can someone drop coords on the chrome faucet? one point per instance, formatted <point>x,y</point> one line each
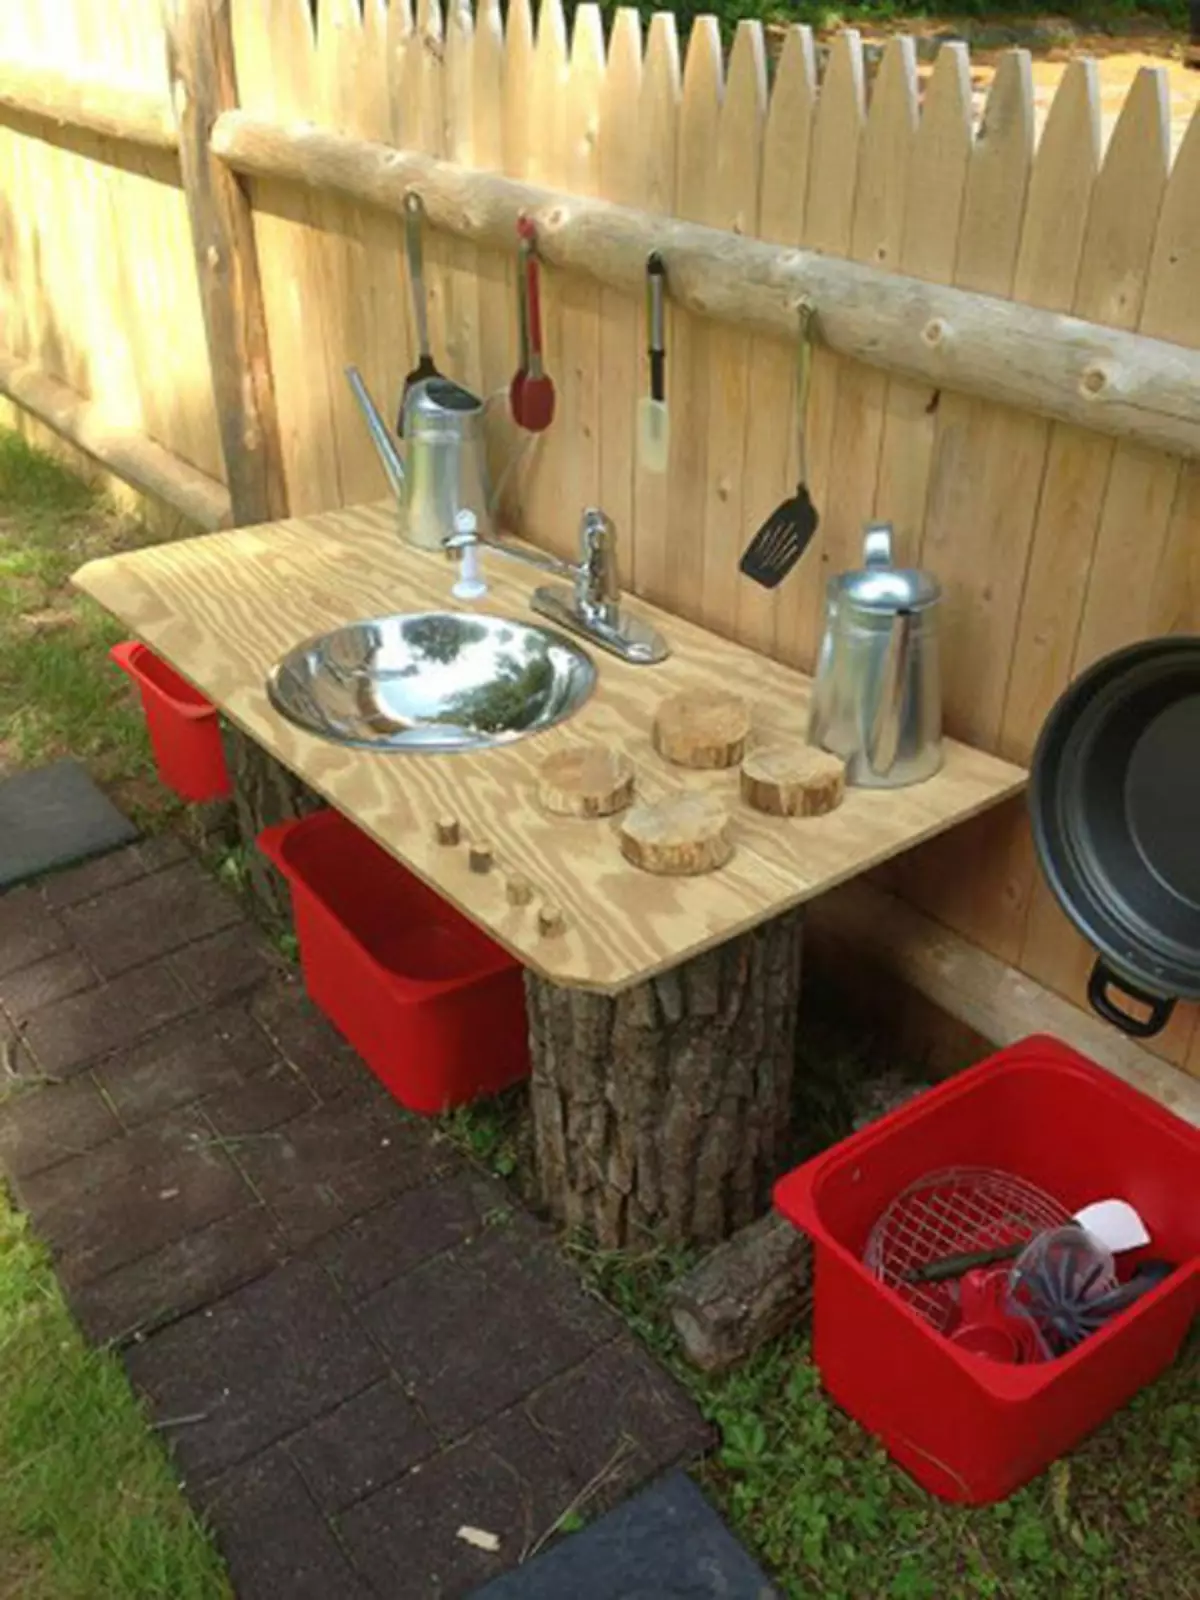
<point>592,606</point>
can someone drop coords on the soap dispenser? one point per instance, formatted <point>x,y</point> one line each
<point>470,584</point>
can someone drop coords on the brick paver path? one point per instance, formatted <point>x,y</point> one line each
<point>355,1342</point>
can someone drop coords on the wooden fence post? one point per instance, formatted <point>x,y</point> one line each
<point>203,84</point>
<point>200,59</point>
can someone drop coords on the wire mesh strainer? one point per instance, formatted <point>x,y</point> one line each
<point>947,1213</point>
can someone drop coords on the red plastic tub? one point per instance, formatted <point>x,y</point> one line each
<point>433,1006</point>
<point>184,732</point>
<point>966,1427</point>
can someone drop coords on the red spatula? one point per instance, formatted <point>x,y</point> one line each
<point>517,387</point>
<point>533,405</point>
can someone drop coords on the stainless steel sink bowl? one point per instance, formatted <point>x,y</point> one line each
<point>431,682</point>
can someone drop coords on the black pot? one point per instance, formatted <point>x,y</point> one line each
<point>1114,798</point>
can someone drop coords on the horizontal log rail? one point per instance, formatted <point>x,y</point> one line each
<point>76,100</point>
<point>859,925</point>
<point>1096,377</point>
<point>122,451</point>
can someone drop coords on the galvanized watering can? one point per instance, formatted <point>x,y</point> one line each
<point>877,694</point>
<point>444,467</point>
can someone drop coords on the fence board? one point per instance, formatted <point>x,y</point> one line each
<point>699,118</point>
<point>876,237</point>
<point>548,163</point>
<point>940,160</point>
<point>274,49</point>
<point>771,417</point>
<point>658,128</point>
<point>828,227</point>
<point>734,183</point>
<point>977,530</point>
<point>619,315</point>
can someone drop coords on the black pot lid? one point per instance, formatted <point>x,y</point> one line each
<point>1114,799</point>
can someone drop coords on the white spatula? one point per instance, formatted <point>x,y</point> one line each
<point>654,436</point>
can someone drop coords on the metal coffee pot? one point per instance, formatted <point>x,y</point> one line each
<point>877,693</point>
<point>444,467</point>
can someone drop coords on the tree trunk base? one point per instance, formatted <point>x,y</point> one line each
<point>665,1110</point>
<point>264,793</point>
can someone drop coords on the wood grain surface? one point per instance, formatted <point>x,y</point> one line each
<point>222,610</point>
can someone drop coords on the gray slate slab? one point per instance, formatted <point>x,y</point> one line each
<point>52,817</point>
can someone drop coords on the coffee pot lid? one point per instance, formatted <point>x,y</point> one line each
<point>879,586</point>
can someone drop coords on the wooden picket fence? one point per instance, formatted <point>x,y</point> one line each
<point>1054,544</point>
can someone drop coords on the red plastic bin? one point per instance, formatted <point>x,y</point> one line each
<point>434,1007</point>
<point>966,1427</point>
<point>184,732</point>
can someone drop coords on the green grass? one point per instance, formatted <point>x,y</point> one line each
<point>89,1507</point>
<point>59,695</point>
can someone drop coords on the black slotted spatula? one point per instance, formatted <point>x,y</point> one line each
<point>785,535</point>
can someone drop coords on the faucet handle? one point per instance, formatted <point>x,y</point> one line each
<point>600,580</point>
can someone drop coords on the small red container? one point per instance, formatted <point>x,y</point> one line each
<point>184,732</point>
<point>433,1006</point>
<point>966,1427</point>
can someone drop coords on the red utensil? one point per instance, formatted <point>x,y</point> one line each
<point>516,388</point>
<point>532,400</point>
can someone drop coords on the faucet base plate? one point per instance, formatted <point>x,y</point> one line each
<point>629,637</point>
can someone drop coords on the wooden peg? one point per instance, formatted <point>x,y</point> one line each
<point>702,728</point>
<point>793,780</point>
<point>587,780</point>
<point>550,921</point>
<point>447,830</point>
<point>479,856</point>
<point>518,891</point>
<point>684,834</point>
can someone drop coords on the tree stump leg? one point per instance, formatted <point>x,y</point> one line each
<point>264,792</point>
<point>667,1108</point>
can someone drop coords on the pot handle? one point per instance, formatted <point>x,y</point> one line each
<point>1103,979</point>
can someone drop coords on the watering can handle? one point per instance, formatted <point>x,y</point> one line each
<point>877,544</point>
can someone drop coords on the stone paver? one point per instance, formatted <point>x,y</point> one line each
<point>132,1196</point>
<point>66,1037</point>
<point>57,977</point>
<point>369,1441</point>
<point>29,931</point>
<point>151,915</point>
<point>205,1053</point>
<point>255,1367</point>
<point>276,1542</point>
<point>181,1276</point>
<point>504,1479</point>
<point>353,1341</point>
<point>423,1322</point>
<point>39,1128</point>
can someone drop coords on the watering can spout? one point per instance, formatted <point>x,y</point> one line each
<point>380,436</point>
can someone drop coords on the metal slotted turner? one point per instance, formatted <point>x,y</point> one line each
<point>785,535</point>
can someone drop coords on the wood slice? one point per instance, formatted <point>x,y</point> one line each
<point>702,728</point>
<point>682,835</point>
<point>588,780</point>
<point>793,780</point>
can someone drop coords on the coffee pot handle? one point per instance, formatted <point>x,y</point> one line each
<point>883,736</point>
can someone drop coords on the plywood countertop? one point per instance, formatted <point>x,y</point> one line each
<point>222,609</point>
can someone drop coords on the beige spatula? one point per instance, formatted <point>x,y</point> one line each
<point>654,434</point>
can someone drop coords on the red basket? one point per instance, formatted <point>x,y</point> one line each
<point>184,732</point>
<point>433,1006</point>
<point>966,1427</point>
